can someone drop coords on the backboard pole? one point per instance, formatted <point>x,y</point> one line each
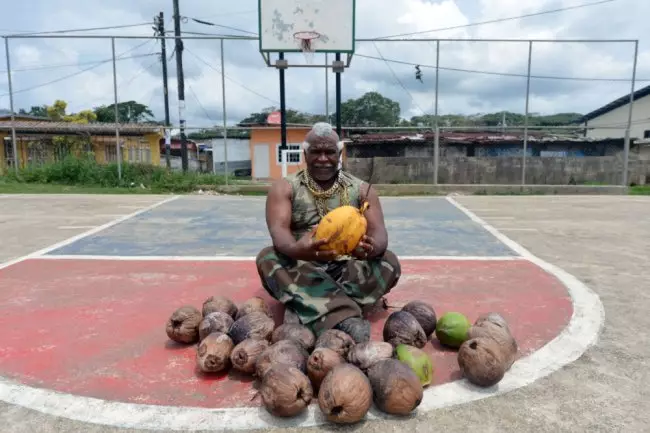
<point>338,98</point>
<point>283,110</point>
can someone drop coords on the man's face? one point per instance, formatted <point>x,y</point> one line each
<point>322,158</point>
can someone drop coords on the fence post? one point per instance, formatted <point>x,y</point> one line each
<point>117,119</point>
<point>225,130</point>
<point>626,146</point>
<point>436,140</point>
<point>523,163</point>
<point>14,142</point>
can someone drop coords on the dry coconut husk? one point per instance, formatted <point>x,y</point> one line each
<point>320,362</point>
<point>254,304</point>
<point>219,303</point>
<point>295,332</point>
<point>364,355</point>
<point>481,361</point>
<point>286,391</point>
<point>213,353</point>
<point>494,318</point>
<point>214,322</point>
<point>336,340</point>
<point>285,352</point>
<point>396,388</point>
<point>401,327</point>
<point>254,325</point>
<point>424,314</point>
<point>345,395</point>
<point>245,354</point>
<point>183,325</point>
<point>503,337</point>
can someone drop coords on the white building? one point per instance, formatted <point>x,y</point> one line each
<point>614,117</point>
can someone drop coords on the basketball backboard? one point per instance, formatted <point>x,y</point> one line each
<point>307,26</point>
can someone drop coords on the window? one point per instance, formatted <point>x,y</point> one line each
<point>294,154</point>
<point>646,133</point>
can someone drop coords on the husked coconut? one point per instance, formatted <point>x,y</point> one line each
<point>424,314</point>
<point>285,352</point>
<point>396,388</point>
<point>213,353</point>
<point>296,332</point>
<point>345,395</point>
<point>254,325</point>
<point>364,355</point>
<point>219,303</point>
<point>183,325</point>
<point>254,304</point>
<point>320,362</point>
<point>481,361</point>
<point>356,327</point>
<point>286,391</point>
<point>214,322</point>
<point>492,317</point>
<point>401,327</point>
<point>501,335</point>
<point>245,354</point>
<point>336,340</point>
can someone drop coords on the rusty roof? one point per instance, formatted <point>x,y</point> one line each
<point>81,128</point>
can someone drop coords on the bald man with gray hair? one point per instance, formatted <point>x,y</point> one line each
<point>319,288</point>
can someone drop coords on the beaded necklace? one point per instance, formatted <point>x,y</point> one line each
<point>321,197</point>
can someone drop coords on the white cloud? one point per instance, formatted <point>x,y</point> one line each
<point>468,92</point>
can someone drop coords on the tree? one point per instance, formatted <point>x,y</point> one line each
<point>371,109</point>
<point>128,112</point>
<point>35,110</point>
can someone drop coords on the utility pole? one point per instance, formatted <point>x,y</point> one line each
<point>181,84</point>
<point>160,31</point>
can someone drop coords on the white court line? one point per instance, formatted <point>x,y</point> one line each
<point>86,233</point>
<point>251,258</point>
<point>581,333</point>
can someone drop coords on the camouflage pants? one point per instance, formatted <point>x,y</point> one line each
<point>324,294</point>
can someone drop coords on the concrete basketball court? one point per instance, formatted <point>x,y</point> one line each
<point>92,263</point>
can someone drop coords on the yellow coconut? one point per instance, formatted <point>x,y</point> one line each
<point>344,227</point>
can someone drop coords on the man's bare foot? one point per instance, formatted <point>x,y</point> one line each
<point>290,316</point>
<point>356,327</point>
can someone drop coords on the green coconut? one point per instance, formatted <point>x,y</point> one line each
<point>418,360</point>
<point>452,329</point>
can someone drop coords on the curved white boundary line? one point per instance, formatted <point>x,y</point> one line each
<point>581,333</point>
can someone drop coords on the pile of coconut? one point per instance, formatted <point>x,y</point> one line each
<point>345,376</point>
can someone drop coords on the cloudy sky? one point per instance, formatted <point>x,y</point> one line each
<point>79,71</point>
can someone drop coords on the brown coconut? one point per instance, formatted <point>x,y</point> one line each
<point>213,353</point>
<point>424,314</point>
<point>501,335</point>
<point>364,355</point>
<point>336,340</point>
<point>285,352</point>
<point>401,327</point>
<point>295,332</point>
<point>214,322</point>
<point>396,388</point>
<point>254,325</point>
<point>245,354</point>
<point>345,395</point>
<point>492,317</point>
<point>285,390</point>
<point>219,303</point>
<point>481,361</point>
<point>320,362</point>
<point>254,304</point>
<point>183,325</point>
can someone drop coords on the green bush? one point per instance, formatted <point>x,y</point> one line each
<point>86,171</point>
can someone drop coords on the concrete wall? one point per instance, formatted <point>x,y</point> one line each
<point>618,118</point>
<point>499,170</point>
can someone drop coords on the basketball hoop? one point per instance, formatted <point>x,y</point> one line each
<point>306,42</point>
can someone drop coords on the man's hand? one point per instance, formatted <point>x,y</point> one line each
<point>307,248</point>
<point>365,249</point>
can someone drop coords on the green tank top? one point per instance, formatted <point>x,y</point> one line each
<point>305,216</point>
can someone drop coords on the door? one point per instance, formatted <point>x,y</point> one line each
<point>261,167</point>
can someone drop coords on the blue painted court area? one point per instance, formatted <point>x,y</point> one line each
<point>235,226</point>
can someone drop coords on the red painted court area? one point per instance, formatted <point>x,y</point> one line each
<point>97,328</point>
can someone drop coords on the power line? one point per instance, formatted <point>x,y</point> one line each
<point>78,30</point>
<point>499,20</point>
<point>208,23</point>
<point>505,74</point>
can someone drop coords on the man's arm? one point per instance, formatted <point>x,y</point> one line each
<point>375,217</point>
<point>278,216</point>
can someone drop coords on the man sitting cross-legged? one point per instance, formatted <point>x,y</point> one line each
<point>319,289</point>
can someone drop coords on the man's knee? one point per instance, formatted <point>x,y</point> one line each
<point>263,255</point>
<point>390,258</point>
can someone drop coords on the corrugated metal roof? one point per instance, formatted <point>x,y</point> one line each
<point>73,128</point>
